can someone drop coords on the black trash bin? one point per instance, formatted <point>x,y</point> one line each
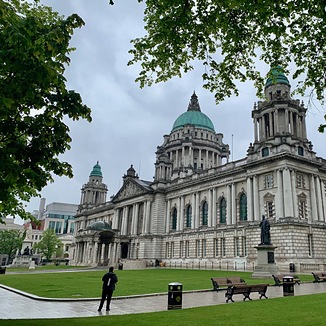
<point>292,268</point>
<point>120,266</point>
<point>2,269</point>
<point>175,296</point>
<point>288,286</point>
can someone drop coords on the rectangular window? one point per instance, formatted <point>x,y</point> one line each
<point>172,250</point>
<point>269,182</point>
<point>203,245</point>
<point>216,253</point>
<point>167,250</point>
<point>236,247</point>
<point>310,245</point>
<point>197,254</point>
<point>300,181</point>
<point>181,249</point>
<point>302,209</point>
<point>223,249</point>
<point>244,246</point>
<point>187,248</point>
<point>270,209</point>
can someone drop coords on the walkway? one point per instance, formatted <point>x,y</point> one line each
<point>29,307</point>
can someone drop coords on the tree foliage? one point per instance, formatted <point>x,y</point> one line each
<point>10,242</point>
<point>34,100</point>
<point>49,245</point>
<point>229,38</point>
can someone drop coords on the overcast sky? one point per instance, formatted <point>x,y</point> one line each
<point>129,122</point>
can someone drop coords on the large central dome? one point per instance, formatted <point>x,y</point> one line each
<point>193,117</point>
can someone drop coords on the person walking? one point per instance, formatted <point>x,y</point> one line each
<point>109,280</point>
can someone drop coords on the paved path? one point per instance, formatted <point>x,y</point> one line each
<point>15,305</point>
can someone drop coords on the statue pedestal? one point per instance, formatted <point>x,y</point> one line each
<point>265,262</point>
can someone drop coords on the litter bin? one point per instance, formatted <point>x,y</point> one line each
<point>288,286</point>
<point>2,270</point>
<point>120,267</point>
<point>292,268</point>
<point>175,296</point>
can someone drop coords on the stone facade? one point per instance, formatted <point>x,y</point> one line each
<point>203,209</point>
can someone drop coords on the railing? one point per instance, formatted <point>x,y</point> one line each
<point>312,268</point>
<point>232,266</point>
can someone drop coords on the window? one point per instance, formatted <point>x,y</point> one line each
<point>181,249</point>
<point>265,151</point>
<point>187,248</point>
<point>216,247</point>
<point>310,245</point>
<point>223,249</point>
<point>236,247</point>
<point>269,181</point>
<point>270,209</point>
<point>300,181</point>
<point>172,250</point>
<point>174,219</point>
<point>302,206</point>
<point>205,213</point>
<point>203,248</point>
<point>197,248</point>
<point>167,250</point>
<point>223,211</point>
<point>300,151</point>
<point>244,246</point>
<point>188,216</point>
<point>243,207</point>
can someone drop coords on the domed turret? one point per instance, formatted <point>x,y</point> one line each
<point>193,117</point>
<point>96,172</point>
<point>277,77</point>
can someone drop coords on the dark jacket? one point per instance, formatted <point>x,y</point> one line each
<point>109,285</point>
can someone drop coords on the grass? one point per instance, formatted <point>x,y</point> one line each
<point>299,311</point>
<point>87,284</point>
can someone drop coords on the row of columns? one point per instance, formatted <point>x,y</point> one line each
<point>269,124</point>
<point>95,253</point>
<point>196,205</point>
<point>132,222</point>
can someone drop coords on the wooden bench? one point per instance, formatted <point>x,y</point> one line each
<point>246,290</point>
<point>278,279</point>
<point>319,277</point>
<point>225,282</point>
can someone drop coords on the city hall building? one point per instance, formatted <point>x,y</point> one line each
<point>201,210</point>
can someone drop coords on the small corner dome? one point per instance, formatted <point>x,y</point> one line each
<point>277,77</point>
<point>193,117</point>
<point>96,172</point>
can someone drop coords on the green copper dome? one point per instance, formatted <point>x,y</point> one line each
<point>193,117</point>
<point>96,172</point>
<point>278,77</point>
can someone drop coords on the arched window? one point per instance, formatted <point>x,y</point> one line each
<point>174,219</point>
<point>243,207</point>
<point>188,217</point>
<point>205,213</point>
<point>223,211</point>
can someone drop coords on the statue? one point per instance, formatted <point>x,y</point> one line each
<point>265,236</point>
<point>26,251</point>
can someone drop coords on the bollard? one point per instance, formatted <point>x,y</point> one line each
<point>175,296</point>
<point>288,286</point>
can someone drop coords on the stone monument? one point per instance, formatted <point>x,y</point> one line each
<point>265,253</point>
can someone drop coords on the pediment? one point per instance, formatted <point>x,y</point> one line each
<point>129,189</point>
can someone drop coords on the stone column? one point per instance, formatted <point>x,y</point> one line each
<point>193,211</point>
<point>197,207</point>
<point>279,206</point>
<point>319,199</point>
<point>323,198</point>
<point>249,199</point>
<point>287,191</point>
<point>234,205</point>
<point>256,198</point>
<point>148,216</point>
<point>181,213</point>
<point>314,213</point>
<point>214,213</point>
<point>209,213</point>
<point>294,193</point>
<point>167,217</point>
<point>228,205</point>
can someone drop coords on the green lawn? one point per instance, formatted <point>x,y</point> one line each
<point>300,310</point>
<point>87,284</point>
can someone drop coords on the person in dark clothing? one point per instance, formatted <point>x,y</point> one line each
<point>109,280</point>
